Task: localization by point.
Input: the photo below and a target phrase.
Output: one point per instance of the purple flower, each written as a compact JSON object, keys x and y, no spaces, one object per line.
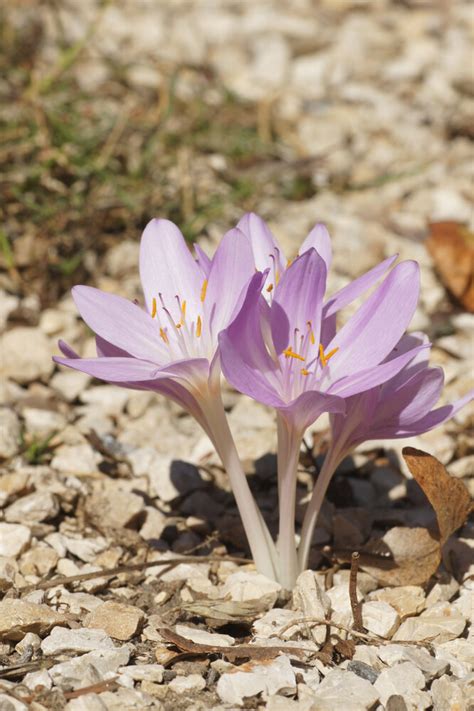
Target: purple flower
{"x":275,"y":354}
{"x":269,"y":258}
{"x":171,"y":345}
{"x":400,"y":407}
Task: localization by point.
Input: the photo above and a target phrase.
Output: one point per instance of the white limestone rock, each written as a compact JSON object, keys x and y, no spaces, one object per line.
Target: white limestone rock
{"x":344,"y":690}
{"x":81,"y":640}
{"x":273,"y":678}
{"x":380,"y":618}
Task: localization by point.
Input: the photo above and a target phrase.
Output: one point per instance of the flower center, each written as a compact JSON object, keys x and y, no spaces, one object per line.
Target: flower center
{"x":180,"y":335}
{"x":312,"y":358}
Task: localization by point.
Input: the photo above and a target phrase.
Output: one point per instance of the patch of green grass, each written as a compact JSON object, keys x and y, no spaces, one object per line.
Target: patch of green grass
{"x":84,"y":169}
{"x":6,"y":250}
{"x":38,"y":450}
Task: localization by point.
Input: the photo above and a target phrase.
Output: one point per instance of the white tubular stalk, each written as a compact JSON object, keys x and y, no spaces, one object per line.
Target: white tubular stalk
{"x":260,"y":541}
{"x":330,"y":464}
{"x":289,"y":443}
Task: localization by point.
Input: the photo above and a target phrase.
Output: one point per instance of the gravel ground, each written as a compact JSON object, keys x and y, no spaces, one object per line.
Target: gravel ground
{"x":357,"y":114}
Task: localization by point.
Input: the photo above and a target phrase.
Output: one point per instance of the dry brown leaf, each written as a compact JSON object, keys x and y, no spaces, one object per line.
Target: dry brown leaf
{"x":451,"y":245}
{"x":416,"y":552}
{"x":237,"y":651}
{"x":447,"y":495}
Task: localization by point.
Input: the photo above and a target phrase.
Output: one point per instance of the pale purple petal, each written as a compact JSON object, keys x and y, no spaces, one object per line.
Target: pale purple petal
{"x":245,"y":360}
{"x":192,"y":373}
{"x":306,"y":408}
{"x":377,"y":326}
{"x":369,"y":378}
{"x":202,"y":259}
{"x":319,"y":240}
{"x":411,"y":399}
{"x":262,"y":241}
{"x":434,"y":418}
{"x":356,"y":288}
{"x":299,"y":295}
{"x":328,"y":329}
{"x":231,"y":270}
{"x":108,"y":350}
{"x":409,"y":341}
{"x":114,"y":370}
{"x":355,"y":426}
{"x":167,"y":267}
{"x":120,"y":322}
{"x":66,"y":349}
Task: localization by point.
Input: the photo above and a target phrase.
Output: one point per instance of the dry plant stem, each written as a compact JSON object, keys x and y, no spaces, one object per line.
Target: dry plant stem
{"x":134,"y":567}
{"x":289,"y":443}
{"x":372,"y":639}
{"x":311,"y":515}
{"x":260,"y":541}
{"x":355,"y":604}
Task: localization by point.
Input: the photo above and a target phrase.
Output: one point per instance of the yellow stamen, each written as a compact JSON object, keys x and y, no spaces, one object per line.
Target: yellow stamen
{"x":198,"y":327}
{"x":178,"y":325}
{"x":163,"y":335}
{"x":326,"y":357}
{"x":289,"y":353}
{"x":304,"y":371}
{"x":289,"y":263}
{"x":203,"y":290}
{"x":311,"y":333}
{"x":277,"y":277}
{"x":270,"y":288}
{"x":183,"y":312}
{"x":154,"y":307}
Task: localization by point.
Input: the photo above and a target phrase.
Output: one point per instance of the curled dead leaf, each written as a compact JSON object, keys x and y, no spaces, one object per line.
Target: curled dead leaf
{"x":451,"y":245}
{"x":415,"y":556}
{"x":448,"y":496}
{"x":415,"y":553}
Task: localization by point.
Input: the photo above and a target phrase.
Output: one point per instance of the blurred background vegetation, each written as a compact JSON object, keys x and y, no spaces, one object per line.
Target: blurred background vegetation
{"x":82,"y":169}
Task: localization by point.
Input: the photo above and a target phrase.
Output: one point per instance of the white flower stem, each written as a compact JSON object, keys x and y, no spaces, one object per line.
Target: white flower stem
{"x":330,"y":464}
{"x":260,"y":541}
{"x":289,"y":443}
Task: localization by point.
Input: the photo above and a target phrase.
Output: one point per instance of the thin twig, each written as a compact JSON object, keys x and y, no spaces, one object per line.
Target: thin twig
{"x":355,"y":604}
{"x":373,"y":639}
{"x":112,"y":572}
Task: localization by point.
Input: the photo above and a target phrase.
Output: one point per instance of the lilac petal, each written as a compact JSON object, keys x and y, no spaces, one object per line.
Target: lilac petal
{"x":266,"y":252}
{"x":353,"y":428}
{"x":179,"y":394}
{"x":319,"y":240}
{"x":412,"y":399}
{"x":409,"y":341}
{"x":202,"y":259}
{"x":356,"y":288}
{"x":277,"y":339}
{"x":108,"y":350}
{"x":369,"y":378}
{"x":377,"y":326}
{"x":67,"y":350}
{"x":114,"y":370}
{"x":328,"y":329}
{"x":120,"y":322}
{"x":308,"y":406}
{"x":167,"y":267}
{"x":192,"y":373}
{"x":231,"y":270}
{"x":245,"y":360}
{"x":262,"y":241}
{"x":299,"y":295}
{"x":435,"y":417}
